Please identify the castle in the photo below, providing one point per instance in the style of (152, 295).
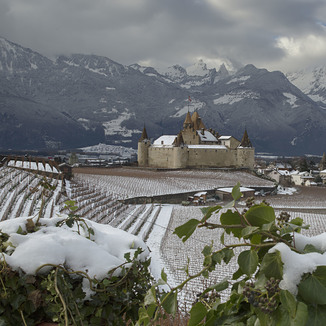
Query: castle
(195, 147)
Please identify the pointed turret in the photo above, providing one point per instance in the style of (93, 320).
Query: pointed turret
(143, 135)
(188, 123)
(245, 142)
(179, 140)
(197, 122)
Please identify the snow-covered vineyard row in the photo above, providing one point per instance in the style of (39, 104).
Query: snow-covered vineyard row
(176, 253)
(97, 199)
(21, 194)
(152, 183)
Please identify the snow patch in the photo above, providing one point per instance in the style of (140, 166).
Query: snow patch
(191, 107)
(236, 97)
(295, 264)
(114, 127)
(62, 245)
(291, 99)
(238, 79)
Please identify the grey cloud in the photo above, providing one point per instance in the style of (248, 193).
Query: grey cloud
(165, 32)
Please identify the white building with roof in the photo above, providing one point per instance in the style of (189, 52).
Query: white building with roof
(195, 147)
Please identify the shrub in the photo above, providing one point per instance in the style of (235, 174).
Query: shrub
(281, 276)
(56, 292)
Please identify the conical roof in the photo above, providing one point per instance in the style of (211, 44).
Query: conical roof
(143, 135)
(188, 118)
(179, 140)
(188, 121)
(196, 120)
(245, 142)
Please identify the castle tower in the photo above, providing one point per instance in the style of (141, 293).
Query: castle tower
(245, 153)
(143, 145)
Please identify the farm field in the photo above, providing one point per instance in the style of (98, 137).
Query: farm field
(98, 198)
(132, 182)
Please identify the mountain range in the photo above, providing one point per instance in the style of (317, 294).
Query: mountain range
(81, 100)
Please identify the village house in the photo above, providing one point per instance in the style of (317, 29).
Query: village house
(302, 178)
(226, 193)
(282, 177)
(323, 176)
(195, 147)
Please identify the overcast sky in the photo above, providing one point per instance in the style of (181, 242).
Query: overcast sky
(274, 34)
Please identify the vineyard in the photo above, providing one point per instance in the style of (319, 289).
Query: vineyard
(98, 198)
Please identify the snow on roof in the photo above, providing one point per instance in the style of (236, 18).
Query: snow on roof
(165, 140)
(198, 194)
(207, 146)
(229, 190)
(206, 135)
(283, 172)
(224, 137)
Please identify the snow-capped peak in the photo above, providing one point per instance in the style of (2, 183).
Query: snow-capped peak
(198, 69)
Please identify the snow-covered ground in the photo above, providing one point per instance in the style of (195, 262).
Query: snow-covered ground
(97, 197)
(134, 184)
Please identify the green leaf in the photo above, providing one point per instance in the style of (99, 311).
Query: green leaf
(316, 315)
(289, 302)
(150, 297)
(249, 230)
(301, 315)
(20, 230)
(217, 257)
(248, 261)
(230, 204)
(222, 238)
(70, 222)
(297, 221)
(310, 248)
(164, 276)
(170, 302)
(207, 250)
(197, 314)
(313, 288)
(231, 218)
(236, 194)
(16, 300)
(208, 211)
(256, 239)
(284, 318)
(272, 265)
(259, 215)
(186, 230)
(218, 286)
(227, 254)
(268, 226)
(237, 274)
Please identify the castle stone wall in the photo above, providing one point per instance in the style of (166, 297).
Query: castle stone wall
(246, 157)
(212, 158)
(183, 157)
